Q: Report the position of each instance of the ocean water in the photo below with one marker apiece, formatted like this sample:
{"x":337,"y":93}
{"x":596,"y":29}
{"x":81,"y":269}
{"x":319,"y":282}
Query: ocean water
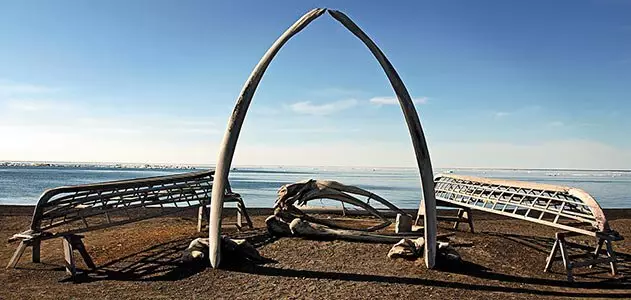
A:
{"x":258,"y":185}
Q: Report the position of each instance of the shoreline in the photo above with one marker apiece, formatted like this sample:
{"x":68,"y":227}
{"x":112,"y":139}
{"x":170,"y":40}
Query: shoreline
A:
{"x":27,"y":210}
{"x":193,"y":166}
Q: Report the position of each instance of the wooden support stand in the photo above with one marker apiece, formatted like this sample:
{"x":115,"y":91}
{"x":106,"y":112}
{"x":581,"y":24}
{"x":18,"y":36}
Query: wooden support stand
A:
{"x":241,"y":214}
{"x":73,"y":242}
{"x":35,"y":246}
{"x":464,"y":215}
{"x":560,"y":245}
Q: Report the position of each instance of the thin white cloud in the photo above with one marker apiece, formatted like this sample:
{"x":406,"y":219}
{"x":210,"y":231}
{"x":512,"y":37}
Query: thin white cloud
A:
{"x":13,"y":88}
{"x":32,"y":105}
{"x":394,"y":101}
{"x":308,"y":108}
{"x":501,"y":114}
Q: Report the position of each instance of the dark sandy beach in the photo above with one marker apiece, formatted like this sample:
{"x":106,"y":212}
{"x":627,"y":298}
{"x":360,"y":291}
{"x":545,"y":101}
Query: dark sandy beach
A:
{"x":503,"y":259}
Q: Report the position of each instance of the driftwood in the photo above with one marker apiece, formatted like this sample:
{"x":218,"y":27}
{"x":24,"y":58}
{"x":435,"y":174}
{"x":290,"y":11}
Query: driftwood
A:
{"x":303,"y":228}
{"x":237,"y":118}
{"x":302,"y":192}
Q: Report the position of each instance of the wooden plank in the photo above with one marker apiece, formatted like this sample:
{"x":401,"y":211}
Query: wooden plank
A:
{"x":403,"y":223}
{"x":17,"y":255}
{"x":36,"y":249}
{"x":200,"y":218}
{"x":612,"y":256}
{"x":564,"y":256}
{"x":69,"y":260}
{"x":552,"y":256}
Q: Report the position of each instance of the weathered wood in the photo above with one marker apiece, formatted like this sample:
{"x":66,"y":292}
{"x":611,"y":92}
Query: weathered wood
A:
{"x":302,"y":192}
{"x":359,"y":191}
{"x":566,"y":260}
{"x":242,"y":213}
{"x":306,"y":229}
{"x":235,"y":123}
{"x":560,"y":245}
{"x":464,"y":214}
{"x":403,"y":223}
{"x":550,"y":205}
{"x":200,"y":218}
{"x":612,"y":257}
{"x":68,"y":210}
{"x":551,"y":256}
{"x":17,"y":254}
{"x":36,"y":249}
{"x":69,"y":260}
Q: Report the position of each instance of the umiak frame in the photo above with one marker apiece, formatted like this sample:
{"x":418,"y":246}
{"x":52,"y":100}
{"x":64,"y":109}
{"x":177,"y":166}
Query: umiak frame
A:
{"x":67,"y":211}
{"x":235,"y":123}
{"x":571,"y":210}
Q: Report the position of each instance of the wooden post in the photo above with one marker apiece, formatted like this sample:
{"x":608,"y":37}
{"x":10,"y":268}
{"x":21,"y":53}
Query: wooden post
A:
{"x":17,"y":254}
{"x":470,"y":219}
{"x":36,"y":247}
{"x":235,"y":123}
{"x":564,"y":255}
{"x":612,"y":257}
{"x":403,"y":223}
{"x":599,"y":246}
{"x":71,"y":268}
{"x":200,"y":218}
{"x":551,"y":257}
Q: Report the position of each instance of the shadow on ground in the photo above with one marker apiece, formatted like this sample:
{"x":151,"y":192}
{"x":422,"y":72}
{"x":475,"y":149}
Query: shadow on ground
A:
{"x":160,"y":262}
{"x":576,"y":251}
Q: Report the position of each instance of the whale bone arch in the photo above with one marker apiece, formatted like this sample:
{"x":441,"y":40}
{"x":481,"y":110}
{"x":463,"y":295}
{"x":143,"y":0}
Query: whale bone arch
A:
{"x":226,"y":152}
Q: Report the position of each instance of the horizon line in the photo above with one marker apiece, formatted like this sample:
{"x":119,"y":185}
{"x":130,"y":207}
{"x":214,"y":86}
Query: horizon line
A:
{"x":309,"y":166}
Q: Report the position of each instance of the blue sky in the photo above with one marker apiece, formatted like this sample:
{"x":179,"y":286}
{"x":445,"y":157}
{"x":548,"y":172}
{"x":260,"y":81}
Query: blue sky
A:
{"x":497,"y":83}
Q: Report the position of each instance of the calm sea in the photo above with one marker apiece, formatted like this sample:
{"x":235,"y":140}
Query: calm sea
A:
{"x":258,"y":185}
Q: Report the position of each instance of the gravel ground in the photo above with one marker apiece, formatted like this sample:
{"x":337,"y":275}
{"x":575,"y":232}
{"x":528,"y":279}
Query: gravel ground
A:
{"x":504,"y":258}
